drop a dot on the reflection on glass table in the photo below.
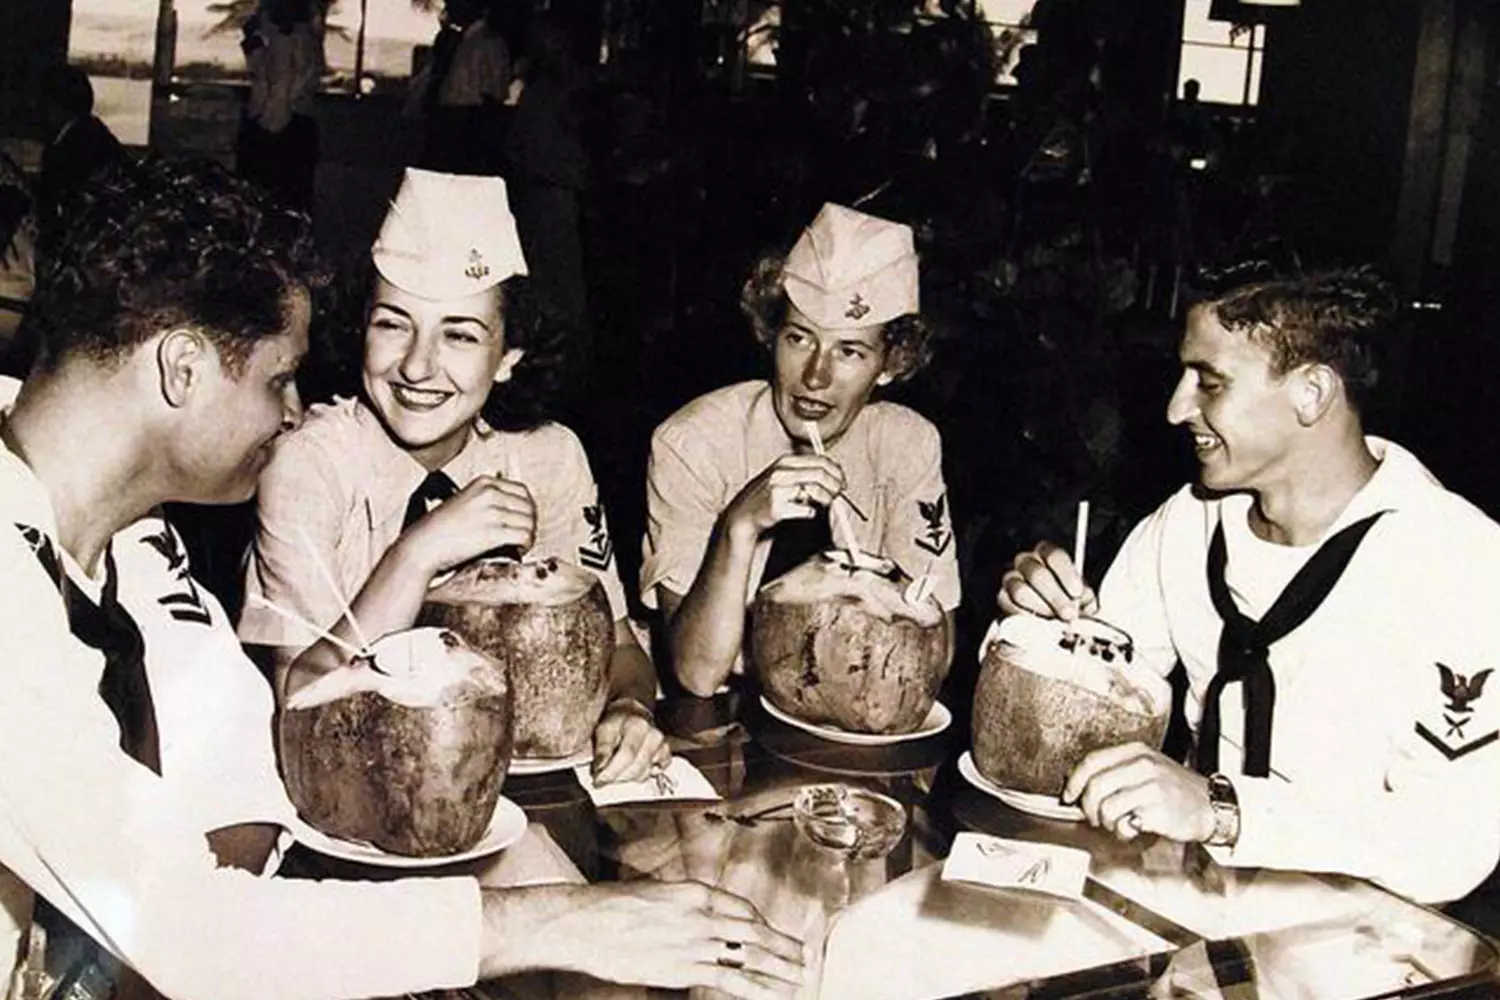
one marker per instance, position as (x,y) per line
(1155,919)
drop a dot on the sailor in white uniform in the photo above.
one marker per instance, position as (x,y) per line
(1333,606)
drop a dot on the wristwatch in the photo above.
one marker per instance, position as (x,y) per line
(1226,806)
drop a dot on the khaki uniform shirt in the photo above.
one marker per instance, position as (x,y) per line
(342,481)
(705,453)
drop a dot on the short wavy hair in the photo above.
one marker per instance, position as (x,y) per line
(1339,318)
(908,338)
(150,245)
(533,393)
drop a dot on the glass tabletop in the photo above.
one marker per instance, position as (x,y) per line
(1157,919)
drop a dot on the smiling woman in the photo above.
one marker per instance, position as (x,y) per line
(447,458)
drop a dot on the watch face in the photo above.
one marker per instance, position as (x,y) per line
(1220,790)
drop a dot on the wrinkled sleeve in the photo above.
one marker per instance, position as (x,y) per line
(96,833)
(681,508)
(919,532)
(571,521)
(297,504)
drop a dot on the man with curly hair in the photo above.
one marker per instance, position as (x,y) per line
(460,374)
(139,801)
(736,477)
(1332,603)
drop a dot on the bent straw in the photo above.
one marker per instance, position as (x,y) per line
(1081,536)
(338,592)
(916,592)
(261,602)
(840,516)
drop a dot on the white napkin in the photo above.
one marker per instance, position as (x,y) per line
(920,938)
(1017,864)
(678,780)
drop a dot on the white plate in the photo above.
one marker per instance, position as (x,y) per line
(938,719)
(1044,806)
(506,827)
(546,765)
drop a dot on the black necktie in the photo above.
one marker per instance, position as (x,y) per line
(108,628)
(1245,645)
(437,487)
(796,540)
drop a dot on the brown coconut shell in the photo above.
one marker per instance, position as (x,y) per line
(557,655)
(420,781)
(1032,730)
(838,661)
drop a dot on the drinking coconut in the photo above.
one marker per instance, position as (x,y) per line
(406,749)
(550,624)
(836,641)
(1052,692)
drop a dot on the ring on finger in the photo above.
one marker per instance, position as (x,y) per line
(730,956)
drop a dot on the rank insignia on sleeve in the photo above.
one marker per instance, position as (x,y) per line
(935,536)
(185,604)
(1461,691)
(599,550)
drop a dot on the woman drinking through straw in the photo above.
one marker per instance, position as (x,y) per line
(742,480)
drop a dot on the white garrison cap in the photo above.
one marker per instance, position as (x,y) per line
(448,235)
(850,269)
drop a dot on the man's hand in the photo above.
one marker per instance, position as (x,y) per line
(627,743)
(488,513)
(793,486)
(1045,582)
(670,935)
(1133,789)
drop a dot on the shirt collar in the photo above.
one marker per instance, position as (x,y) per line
(1399,481)
(397,473)
(26,498)
(768,439)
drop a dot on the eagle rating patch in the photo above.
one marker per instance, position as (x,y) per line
(935,537)
(1461,734)
(599,550)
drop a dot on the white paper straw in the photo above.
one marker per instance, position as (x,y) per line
(338,592)
(1081,536)
(840,516)
(261,602)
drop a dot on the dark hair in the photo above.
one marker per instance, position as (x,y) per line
(67,87)
(530,397)
(908,338)
(148,245)
(1335,318)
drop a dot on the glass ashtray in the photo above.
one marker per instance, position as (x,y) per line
(853,822)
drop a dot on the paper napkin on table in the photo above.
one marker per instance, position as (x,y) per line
(923,938)
(1017,864)
(678,780)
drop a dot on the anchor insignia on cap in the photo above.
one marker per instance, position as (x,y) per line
(477,268)
(857,307)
